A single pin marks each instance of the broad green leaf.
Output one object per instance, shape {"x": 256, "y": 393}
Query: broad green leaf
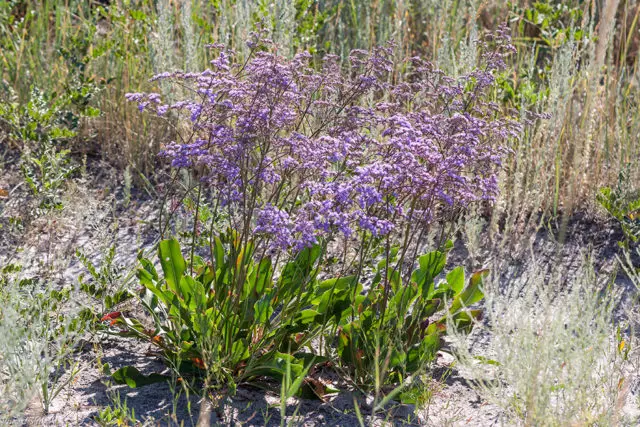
{"x": 431, "y": 307}
{"x": 335, "y": 283}
{"x": 263, "y": 310}
{"x": 397, "y": 359}
{"x": 335, "y": 296}
{"x": 307, "y": 358}
{"x": 173, "y": 264}
{"x": 259, "y": 279}
{"x": 471, "y": 294}
{"x": 295, "y": 386}
{"x": 455, "y": 279}
{"x": 239, "y": 351}
{"x": 130, "y": 376}
{"x": 187, "y": 287}
{"x": 218, "y": 252}
{"x": 430, "y": 265}
{"x": 148, "y": 273}
{"x": 165, "y": 297}
{"x": 274, "y": 365}
{"x": 307, "y": 316}
{"x": 296, "y": 273}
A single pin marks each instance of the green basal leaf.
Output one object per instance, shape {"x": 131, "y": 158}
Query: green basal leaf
{"x": 297, "y": 272}
{"x": 239, "y": 351}
{"x": 274, "y": 365}
{"x": 263, "y": 309}
{"x": 455, "y": 279}
{"x": 172, "y": 262}
{"x": 335, "y": 296}
{"x": 430, "y": 266}
{"x": 132, "y": 377}
{"x": 306, "y": 317}
{"x": 264, "y": 277}
{"x": 187, "y": 290}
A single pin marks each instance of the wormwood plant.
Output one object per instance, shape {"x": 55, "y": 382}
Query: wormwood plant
{"x": 553, "y": 356}
{"x": 39, "y": 330}
{"x": 292, "y": 162}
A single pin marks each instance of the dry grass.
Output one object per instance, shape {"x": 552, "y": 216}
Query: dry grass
{"x": 589, "y": 87}
{"x": 590, "y": 135}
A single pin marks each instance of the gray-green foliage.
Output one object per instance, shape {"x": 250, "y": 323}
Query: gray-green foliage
{"x": 38, "y": 334}
{"x": 553, "y": 356}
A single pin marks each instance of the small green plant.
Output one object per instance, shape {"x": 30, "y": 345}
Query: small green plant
{"x": 45, "y": 173}
{"x": 42, "y": 126}
{"x": 117, "y": 414}
{"x": 623, "y": 204}
{"x": 108, "y": 283}
{"x": 550, "y": 23}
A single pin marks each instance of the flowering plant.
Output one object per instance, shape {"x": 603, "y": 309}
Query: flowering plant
{"x": 293, "y": 157}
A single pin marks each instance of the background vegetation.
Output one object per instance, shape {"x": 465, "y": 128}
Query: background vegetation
{"x": 574, "y": 82}
{"x": 66, "y": 66}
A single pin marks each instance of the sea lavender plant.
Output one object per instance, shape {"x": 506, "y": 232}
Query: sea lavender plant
{"x": 294, "y": 155}
{"x": 289, "y": 157}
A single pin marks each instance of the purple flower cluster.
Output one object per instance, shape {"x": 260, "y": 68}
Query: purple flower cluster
{"x": 295, "y": 153}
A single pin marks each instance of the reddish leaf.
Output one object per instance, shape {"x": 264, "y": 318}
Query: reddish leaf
{"x": 111, "y": 316}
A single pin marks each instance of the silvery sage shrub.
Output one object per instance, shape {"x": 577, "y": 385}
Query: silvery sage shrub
{"x": 294, "y": 154}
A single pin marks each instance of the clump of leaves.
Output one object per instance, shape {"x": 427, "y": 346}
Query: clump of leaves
{"x": 623, "y": 204}
{"x": 395, "y": 329}
{"x": 229, "y": 320}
